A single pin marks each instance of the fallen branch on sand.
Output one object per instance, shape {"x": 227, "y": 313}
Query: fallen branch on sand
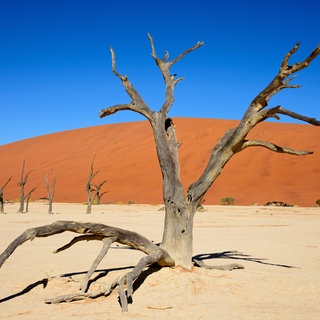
{"x": 109, "y": 235}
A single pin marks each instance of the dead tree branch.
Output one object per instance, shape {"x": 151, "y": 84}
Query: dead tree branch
{"x": 105, "y": 290}
{"x": 130, "y": 277}
{"x": 169, "y": 79}
{"x": 137, "y": 104}
{"x": 1, "y": 195}
{"x": 273, "y": 112}
{"x": 273, "y": 147}
{"x": 235, "y": 140}
{"x": 226, "y": 267}
{"x": 108, "y": 235}
{"x": 280, "y": 81}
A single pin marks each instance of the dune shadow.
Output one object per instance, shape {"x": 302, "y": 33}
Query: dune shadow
{"x": 236, "y": 255}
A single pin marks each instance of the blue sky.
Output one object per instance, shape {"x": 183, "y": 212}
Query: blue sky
{"x": 55, "y": 64}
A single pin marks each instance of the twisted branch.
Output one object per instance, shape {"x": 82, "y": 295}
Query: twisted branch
{"x": 273, "y": 147}
{"x": 137, "y": 104}
{"x": 109, "y": 235}
{"x": 273, "y": 112}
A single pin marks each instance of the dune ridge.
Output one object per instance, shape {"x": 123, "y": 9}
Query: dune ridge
{"x": 125, "y": 155}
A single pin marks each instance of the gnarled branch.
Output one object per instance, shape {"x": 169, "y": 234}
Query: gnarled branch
{"x": 273, "y": 112}
{"x": 234, "y": 140}
{"x": 273, "y": 147}
{"x": 137, "y": 104}
{"x": 279, "y": 82}
{"x": 170, "y": 80}
{"x": 109, "y": 235}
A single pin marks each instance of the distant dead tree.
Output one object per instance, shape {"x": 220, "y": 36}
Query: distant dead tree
{"x": 50, "y": 191}
{"x": 22, "y": 183}
{"x": 27, "y": 198}
{"x": 1, "y": 195}
{"x": 97, "y": 188}
{"x": 181, "y": 204}
{"x": 93, "y": 190}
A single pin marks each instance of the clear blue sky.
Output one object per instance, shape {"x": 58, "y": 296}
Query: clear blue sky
{"x": 55, "y": 65}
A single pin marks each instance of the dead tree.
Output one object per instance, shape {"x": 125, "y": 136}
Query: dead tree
{"x": 27, "y": 198}
{"x": 50, "y": 193}
{"x": 1, "y": 195}
{"x": 93, "y": 190}
{"x": 180, "y": 204}
{"x": 22, "y": 183}
{"x": 97, "y": 190}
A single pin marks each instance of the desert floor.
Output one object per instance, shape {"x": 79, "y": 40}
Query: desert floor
{"x": 279, "y": 248}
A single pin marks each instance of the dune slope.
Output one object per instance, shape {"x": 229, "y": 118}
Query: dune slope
{"x": 125, "y": 156}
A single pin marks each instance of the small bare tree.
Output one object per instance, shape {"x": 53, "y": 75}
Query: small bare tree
{"x": 50, "y": 193}
{"x": 27, "y": 198}
{"x": 22, "y": 183}
{"x": 90, "y": 197}
{"x": 1, "y": 195}
{"x": 93, "y": 190}
{"x": 180, "y": 204}
{"x": 97, "y": 190}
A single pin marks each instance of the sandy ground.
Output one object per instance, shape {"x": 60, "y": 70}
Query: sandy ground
{"x": 279, "y": 248}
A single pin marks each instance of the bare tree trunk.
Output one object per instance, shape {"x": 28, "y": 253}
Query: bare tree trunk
{"x": 178, "y": 234}
{"x": 1, "y": 195}
{"x": 50, "y": 192}
{"x": 1, "y": 202}
{"x": 27, "y": 198}
{"x": 99, "y": 195}
{"x": 22, "y": 183}
{"x": 90, "y": 197}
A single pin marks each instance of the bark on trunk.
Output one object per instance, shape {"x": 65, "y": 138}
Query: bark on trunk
{"x": 178, "y": 234}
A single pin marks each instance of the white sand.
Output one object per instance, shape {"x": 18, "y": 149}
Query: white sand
{"x": 279, "y": 248}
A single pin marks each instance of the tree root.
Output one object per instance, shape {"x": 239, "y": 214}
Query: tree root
{"x": 104, "y": 291}
{"x": 108, "y": 235}
{"x": 226, "y": 267}
{"x": 131, "y": 276}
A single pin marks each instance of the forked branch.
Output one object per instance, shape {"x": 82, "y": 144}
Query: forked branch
{"x": 170, "y": 80}
{"x": 280, "y": 81}
{"x": 235, "y": 140}
{"x": 137, "y": 104}
{"x": 273, "y": 112}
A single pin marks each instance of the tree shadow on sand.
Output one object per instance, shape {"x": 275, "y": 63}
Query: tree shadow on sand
{"x": 198, "y": 261}
{"x": 44, "y": 282}
{"x": 234, "y": 255}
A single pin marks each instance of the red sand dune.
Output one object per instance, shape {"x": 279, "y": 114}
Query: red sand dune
{"x": 125, "y": 156}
